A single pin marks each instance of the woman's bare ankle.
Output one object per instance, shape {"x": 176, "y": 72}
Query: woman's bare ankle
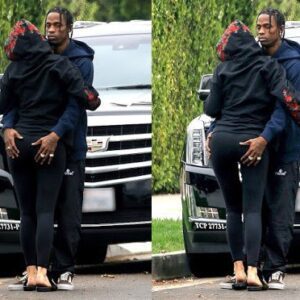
{"x": 239, "y": 270}
{"x": 42, "y": 277}
{"x": 32, "y": 272}
{"x": 252, "y": 277}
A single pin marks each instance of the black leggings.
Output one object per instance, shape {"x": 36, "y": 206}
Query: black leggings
{"x": 37, "y": 190}
{"x": 241, "y": 198}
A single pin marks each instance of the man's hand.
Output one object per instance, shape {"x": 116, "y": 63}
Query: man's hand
{"x": 256, "y": 148}
{"x": 207, "y": 144}
{"x": 47, "y": 148}
{"x": 10, "y": 135}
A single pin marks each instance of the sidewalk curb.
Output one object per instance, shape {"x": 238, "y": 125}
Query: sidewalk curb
{"x": 170, "y": 265}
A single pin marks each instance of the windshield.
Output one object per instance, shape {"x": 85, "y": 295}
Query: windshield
{"x": 121, "y": 60}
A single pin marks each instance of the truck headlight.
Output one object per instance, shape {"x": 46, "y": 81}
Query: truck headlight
{"x": 195, "y": 152}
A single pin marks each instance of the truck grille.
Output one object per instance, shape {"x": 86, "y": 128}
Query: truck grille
{"x": 124, "y": 159}
{"x": 127, "y": 158}
{"x": 119, "y": 130}
{"x": 129, "y": 145}
{"x": 118, "y": 174}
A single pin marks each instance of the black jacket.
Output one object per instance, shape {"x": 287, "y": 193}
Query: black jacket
{"x": 37, "y": 82}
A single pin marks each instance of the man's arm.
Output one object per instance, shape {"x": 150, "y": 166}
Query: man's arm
{"x": 67, "y": 122}
{"x": 9, "y": 118}
{"x": 69, "y": 118}
{"x": 275, "y": 77}
{"x": 86, "y": 68}
{"x": 274, "y": 126}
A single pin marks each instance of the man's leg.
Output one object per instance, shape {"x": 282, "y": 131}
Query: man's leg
{"x": 69, "y": 208}
{"x": 281, "y": 193}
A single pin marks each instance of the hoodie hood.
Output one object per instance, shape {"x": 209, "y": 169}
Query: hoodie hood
{"x": 288, "y": 50}
{"x": 25, "y": 42}
{"x": 237, "y": 42}
{"x": 77, "y": 49}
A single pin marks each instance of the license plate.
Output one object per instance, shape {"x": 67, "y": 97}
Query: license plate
{"x": 297, "y": 205}
{"x": 98, "y": 200}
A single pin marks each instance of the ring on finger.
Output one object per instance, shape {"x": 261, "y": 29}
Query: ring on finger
{"x": 42, "y": 155}
{"x": 8, "y": 148}
{"x": 250, "y": 157}
{"x": 51, "y": 155}
{"x": 258, "y": 158}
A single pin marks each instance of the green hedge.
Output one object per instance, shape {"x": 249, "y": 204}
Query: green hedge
{"x": 184, "y": 37}
{"x": 99, "y": 10}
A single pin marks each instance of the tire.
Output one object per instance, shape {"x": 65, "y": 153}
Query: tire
{"x": 91, "y": 254}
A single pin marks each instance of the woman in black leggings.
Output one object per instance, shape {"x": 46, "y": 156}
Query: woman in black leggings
{"x": 245, "y": 86}
{"x": 44, "y": 89}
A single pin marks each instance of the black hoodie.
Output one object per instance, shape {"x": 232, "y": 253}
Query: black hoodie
{"x": 36, "y": 81}
{"x": 245, "y": 85}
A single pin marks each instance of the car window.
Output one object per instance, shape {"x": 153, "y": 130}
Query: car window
{"x": 121, "y": 60}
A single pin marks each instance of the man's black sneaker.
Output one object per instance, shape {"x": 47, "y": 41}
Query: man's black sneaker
{"x": 65, "y": 282}
{"x": 19, "y": 284}
{"x": 276, "y": 281}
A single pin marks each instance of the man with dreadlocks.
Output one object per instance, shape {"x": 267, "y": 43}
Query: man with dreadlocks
{"x": 58, "y": 29}
{"x": 283, "y": 175}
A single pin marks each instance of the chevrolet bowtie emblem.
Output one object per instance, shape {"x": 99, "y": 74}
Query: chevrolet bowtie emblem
{"x": 97, "y": 143}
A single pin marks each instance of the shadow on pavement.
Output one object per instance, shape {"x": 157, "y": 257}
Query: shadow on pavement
{"x": 210, "y": 265}
{"x": 138, "y": 266}
{"x": 12, "y": 265}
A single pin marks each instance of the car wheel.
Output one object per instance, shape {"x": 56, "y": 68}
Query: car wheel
{"x": 91, "y": 254}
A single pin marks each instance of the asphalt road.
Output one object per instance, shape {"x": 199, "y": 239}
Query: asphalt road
{"x": 116, "y": 280}
{"x": 208, "y": 288}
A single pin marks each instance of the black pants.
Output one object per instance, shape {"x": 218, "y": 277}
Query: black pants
{"x": 279, "y": 213}
{"x": 37, "y": 189}
{"x": 241, "y": 198}
{"x": 68, "y": 214}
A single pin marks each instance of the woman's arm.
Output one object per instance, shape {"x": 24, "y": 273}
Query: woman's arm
{"x": 214, "y": 102}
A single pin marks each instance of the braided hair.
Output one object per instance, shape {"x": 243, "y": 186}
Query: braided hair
{"x": 62, "y": 12}
{"x": 278, "y": 16}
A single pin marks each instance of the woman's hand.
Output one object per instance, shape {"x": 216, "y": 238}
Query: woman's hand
{"x": 47, "y": 148}
{"x": 10, "y": 135}
{"x": 256, "y": 148}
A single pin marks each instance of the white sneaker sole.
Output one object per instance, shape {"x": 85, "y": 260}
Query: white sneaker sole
{"x": 17, "y": 287}
{"x": 226, "y": 286}
{"x": 276, "y": 286}
{"x": 65, "y": 287}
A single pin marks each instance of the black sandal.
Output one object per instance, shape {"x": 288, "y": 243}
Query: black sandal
{"x": 45, "y": 288}
{"x": 239, "y": 285}
{"x": 254, "y": 287}
{"x": 28, "y": 288}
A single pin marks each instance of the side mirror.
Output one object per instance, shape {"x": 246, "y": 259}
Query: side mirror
{"x": 204, "y": 87}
